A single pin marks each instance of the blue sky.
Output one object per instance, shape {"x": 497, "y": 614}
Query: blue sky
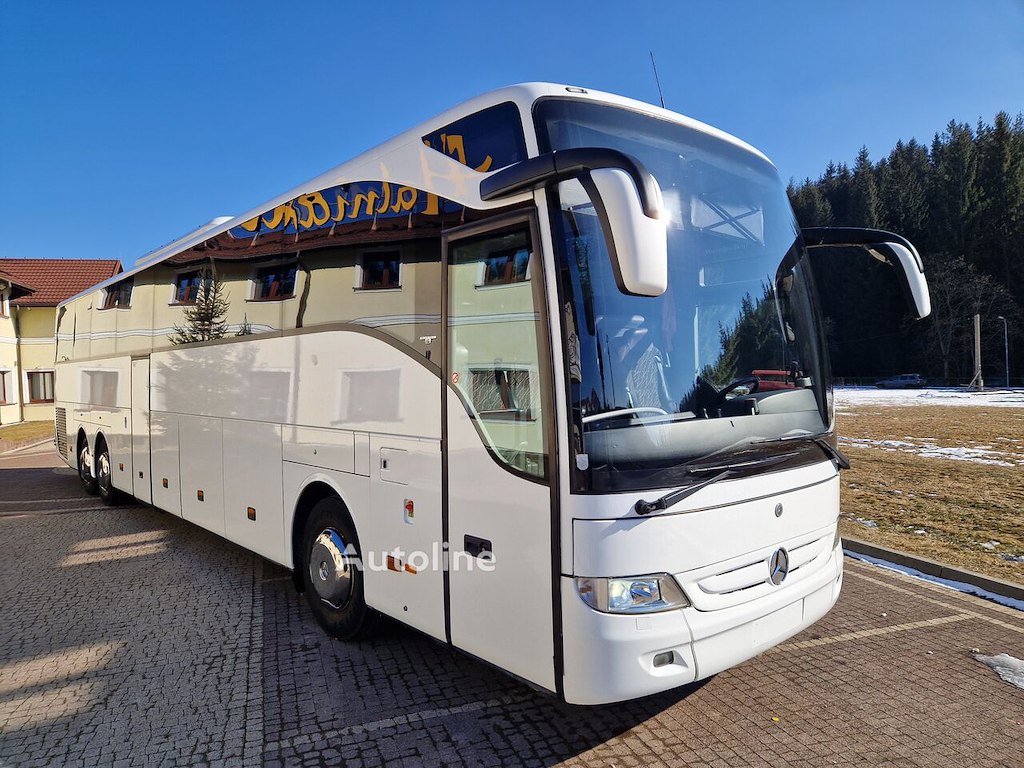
{"x": 124, "y": 124}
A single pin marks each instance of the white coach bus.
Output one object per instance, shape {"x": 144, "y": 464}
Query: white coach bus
{"x": 496, "y": 379}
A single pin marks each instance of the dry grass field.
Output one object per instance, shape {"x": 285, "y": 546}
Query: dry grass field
{"x": 25, "y": 432}
{"x": 946, "y": 483}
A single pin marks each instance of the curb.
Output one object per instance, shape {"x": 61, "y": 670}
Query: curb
{"x": 937, "y": 570}
{"x": 7, "y": 448}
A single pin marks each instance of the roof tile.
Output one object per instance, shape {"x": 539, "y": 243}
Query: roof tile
{"x": 55, "y": 280}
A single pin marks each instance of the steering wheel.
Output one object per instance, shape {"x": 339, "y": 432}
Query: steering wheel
{"x": 751, "y": 381}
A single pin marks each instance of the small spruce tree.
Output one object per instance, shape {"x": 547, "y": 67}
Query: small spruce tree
{"x": 245, "y": 329}
{"x": 204, "y": 320}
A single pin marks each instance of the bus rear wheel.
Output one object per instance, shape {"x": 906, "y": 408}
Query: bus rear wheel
{"x": 104, "y": 475}
{"x": 85, "y": 467}
{"x": 332, "y": 573}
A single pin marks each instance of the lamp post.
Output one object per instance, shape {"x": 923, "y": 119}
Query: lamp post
{"x": 1006, "y": 349}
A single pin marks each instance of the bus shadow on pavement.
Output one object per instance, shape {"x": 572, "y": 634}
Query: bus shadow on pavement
{"x": 405, "y": 696}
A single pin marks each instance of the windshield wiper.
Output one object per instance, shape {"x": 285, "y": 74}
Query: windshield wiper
{"x": 819, "y": 440}
{"x": 721, "y": 471}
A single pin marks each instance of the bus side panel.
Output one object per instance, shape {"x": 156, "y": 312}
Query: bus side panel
{"x": 97, "y": 396}
{"x": 164, "y": 439}
{"x": 119, "y": 443}
{"x": 141, "y": 477}
{"x": 401, "y": 534}
{"x": 353, "y": 490}
{"x": 201, "y": 460}
{"x": 252, "y": 481}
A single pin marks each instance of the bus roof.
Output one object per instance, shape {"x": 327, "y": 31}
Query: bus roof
{"x": 449, "y": 178}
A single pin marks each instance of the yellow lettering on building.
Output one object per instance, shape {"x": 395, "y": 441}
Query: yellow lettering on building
{"x": 385, "y": 203}
{"x": 316, "y": 211}
{"x": 455, "y": 146}
{"x": 251, "y": 225}
{"x": 405, "y": 199}
{"x": 432, "y": 208}
{"x": 282, "y": 216}
{"x": 365, "y": 201}
{"x": 342, "y": 206}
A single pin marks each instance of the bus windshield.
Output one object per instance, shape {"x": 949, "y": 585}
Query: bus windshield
{"x": 730, "y": 356}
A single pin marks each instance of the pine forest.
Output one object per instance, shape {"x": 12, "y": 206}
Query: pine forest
{"x": 961, "y": 202}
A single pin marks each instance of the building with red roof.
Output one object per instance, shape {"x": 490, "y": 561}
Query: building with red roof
{"x": 30, "y": 290}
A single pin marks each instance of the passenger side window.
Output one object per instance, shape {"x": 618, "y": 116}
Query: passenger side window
{"x": 496, "y": 343}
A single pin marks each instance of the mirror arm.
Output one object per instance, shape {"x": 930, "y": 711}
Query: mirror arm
{"x": 828, "y": 237}
{"x": 566, "y": 164}
{"x": 888, "y": 247}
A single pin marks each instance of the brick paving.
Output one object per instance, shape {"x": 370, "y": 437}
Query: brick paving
{"x": 128, "y": 637}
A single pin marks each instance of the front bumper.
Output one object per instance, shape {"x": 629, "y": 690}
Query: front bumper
{"x": 610, "y": 658}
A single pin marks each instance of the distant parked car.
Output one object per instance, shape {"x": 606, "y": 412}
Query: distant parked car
{"x": 903, "y": 381}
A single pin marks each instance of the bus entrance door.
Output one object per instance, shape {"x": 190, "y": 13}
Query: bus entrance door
{"x": 498, "y": 511}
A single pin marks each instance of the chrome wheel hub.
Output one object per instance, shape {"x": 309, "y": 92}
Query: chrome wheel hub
{"x": 103, "y": 469}
{"x": 85, "y": 462}
{"x": 330, "y": 569}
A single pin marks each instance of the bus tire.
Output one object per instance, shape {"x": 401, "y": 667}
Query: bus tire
{"x": 332, "y": 574}
{"x": 85, "y": 466}
{"x": 104, "y": 474}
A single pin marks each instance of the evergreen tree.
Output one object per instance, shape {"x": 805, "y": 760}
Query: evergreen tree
{"x": 204, "y": 320}
{"x": 865, "y": 209}
{"x": 902, "y": 190}
{"x": 961, "y": 202}
{"x": 955, "y": 196}
{"x": 811, "y": 207}
{"x": 1001, "y": 178}
{"x": 835, "y": 186}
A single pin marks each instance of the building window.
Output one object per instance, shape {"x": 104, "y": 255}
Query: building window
{"x": 40, "y": 387}
{"x": 119, "y": 295}
{"x": 381, "y": 271}
{"x": 506, "y": 267}
{"x": 186, "y": 287}
{"x": 276, "y": 283}
{"x": 5, "y": 387}
{"x": 504, "y": 393}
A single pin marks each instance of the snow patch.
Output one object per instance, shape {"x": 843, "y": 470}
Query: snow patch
{"x": 928, "y": 449}
{"x": 958, "y": 586}
{"x": 855, "y": 397}
{"x": 1006, "y": 666}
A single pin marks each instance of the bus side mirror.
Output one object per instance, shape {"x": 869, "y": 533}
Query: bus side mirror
{"x": 627, "y": 199}
{"x": 637, "y": 242}
{"x": 889, "y": 248}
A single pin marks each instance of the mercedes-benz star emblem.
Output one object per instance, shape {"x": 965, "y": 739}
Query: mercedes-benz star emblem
{"x": 778, "y": 566}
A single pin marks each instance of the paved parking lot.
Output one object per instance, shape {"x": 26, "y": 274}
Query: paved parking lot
{"x": 128, "y": 637}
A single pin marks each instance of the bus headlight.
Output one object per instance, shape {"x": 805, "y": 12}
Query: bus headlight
{"x": 636, "y": 594}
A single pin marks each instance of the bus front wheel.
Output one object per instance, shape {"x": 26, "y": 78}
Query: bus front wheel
{"x": 332, "y": 572}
